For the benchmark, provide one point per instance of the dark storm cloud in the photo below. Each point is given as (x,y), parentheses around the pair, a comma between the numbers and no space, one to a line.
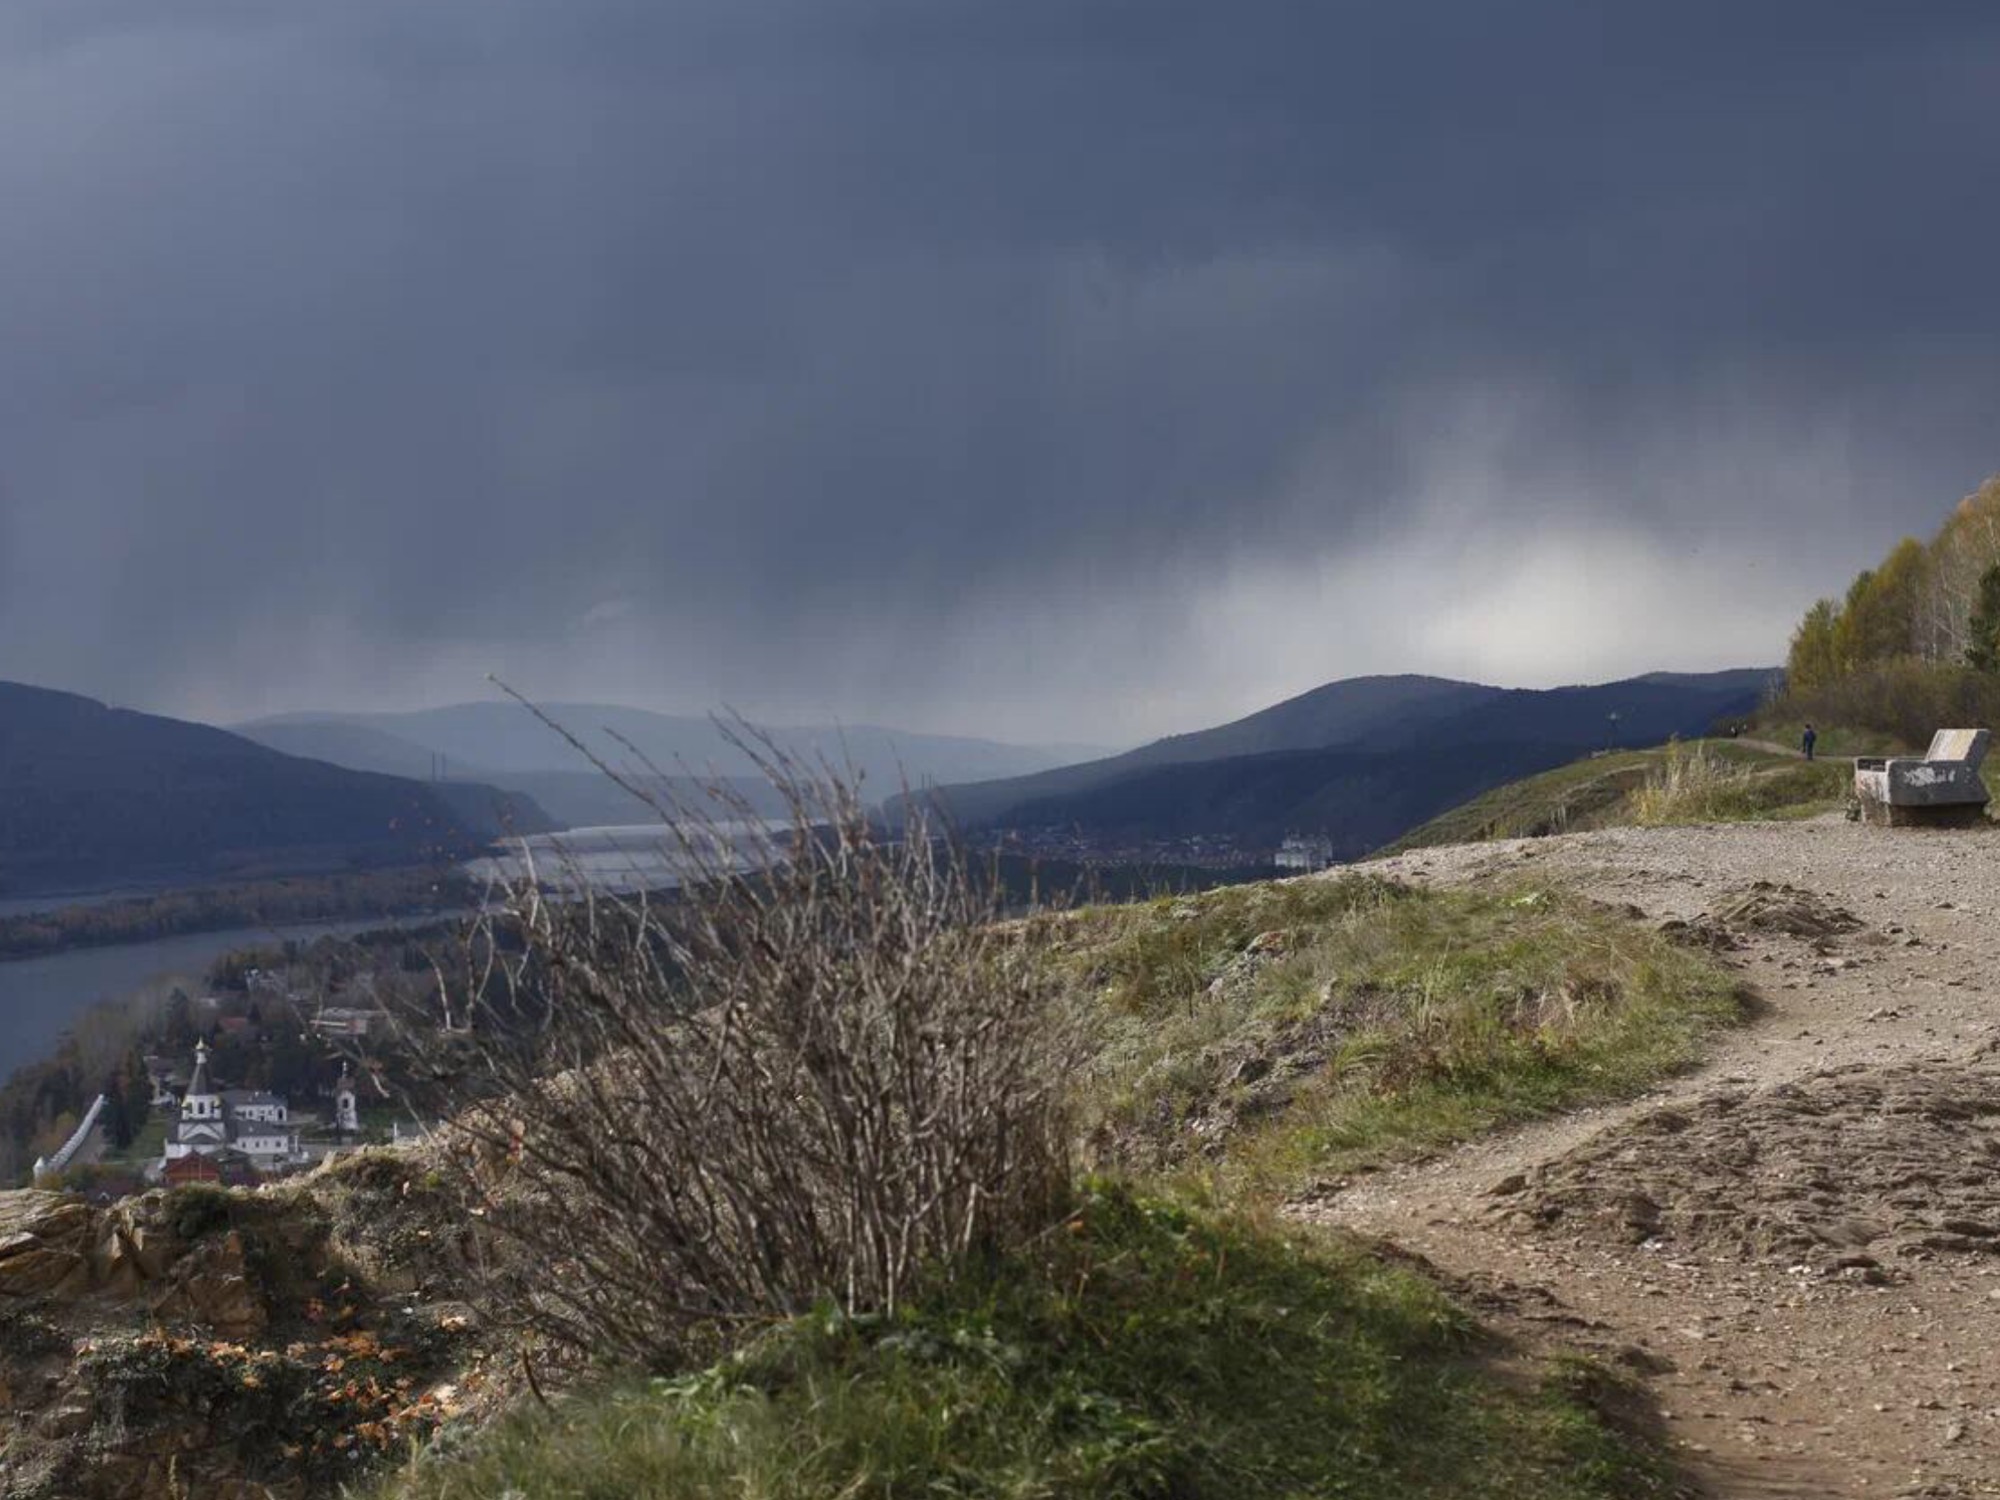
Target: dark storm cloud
(908,356)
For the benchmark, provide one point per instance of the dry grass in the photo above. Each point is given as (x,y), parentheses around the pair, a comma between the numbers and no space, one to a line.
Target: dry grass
(1694,783)
(1691,785)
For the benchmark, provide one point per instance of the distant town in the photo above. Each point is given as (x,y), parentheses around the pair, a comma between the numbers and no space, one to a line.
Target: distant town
(198,1123)
(1297,854)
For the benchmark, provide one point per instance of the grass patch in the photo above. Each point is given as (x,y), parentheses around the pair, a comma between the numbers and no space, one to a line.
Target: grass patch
(1697,783)
(1841,741)
(1147,1349)
(1267,1034)
(1606,791)
(1584,794)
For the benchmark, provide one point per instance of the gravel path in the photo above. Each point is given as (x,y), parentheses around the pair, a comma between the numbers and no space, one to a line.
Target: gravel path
(1799,1243)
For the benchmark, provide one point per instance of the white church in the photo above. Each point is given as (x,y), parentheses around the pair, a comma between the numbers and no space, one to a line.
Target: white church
(244,1125)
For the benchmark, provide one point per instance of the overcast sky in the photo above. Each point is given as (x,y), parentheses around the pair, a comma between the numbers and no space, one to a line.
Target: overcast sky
(1037,368)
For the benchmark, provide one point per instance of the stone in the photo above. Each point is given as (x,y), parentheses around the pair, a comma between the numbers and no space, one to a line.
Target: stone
(68,1420)
(40,1272)
(1939,789)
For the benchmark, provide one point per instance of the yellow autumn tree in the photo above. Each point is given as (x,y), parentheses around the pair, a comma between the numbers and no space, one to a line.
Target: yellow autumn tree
(1813,661)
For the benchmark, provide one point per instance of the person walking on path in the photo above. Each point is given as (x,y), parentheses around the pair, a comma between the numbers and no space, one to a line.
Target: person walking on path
(1811,738)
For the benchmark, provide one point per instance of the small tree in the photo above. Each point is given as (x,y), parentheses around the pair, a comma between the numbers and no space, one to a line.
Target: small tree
(138,1086)
(1982,650)
(1814,660)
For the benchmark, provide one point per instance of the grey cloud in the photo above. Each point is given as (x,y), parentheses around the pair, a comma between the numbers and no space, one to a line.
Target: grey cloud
(850,350)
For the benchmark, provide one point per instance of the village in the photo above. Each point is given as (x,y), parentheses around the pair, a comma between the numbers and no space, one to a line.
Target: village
(248,1101)
(1296,854)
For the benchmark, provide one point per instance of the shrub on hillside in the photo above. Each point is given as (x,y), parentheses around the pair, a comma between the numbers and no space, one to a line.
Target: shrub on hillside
(814,1083)
(1906,699)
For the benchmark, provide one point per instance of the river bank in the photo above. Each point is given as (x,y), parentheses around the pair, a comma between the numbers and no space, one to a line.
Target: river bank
(38,927)
(42,997)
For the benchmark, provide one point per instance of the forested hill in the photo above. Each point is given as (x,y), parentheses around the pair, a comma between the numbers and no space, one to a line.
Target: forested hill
(93,795)
(1352,711)
(1361,760)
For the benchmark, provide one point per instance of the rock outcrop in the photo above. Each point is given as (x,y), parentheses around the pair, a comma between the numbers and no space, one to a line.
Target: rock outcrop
(58,1250)
(223,1343)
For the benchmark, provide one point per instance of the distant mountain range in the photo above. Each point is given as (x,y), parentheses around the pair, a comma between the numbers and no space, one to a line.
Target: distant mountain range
(503,744)
(92,795)
(1361,760)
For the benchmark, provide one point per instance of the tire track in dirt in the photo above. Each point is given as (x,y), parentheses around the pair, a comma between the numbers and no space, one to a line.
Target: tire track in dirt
(1797,1244)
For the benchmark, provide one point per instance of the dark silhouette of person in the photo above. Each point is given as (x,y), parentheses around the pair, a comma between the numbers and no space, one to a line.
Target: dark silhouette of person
(1811,738)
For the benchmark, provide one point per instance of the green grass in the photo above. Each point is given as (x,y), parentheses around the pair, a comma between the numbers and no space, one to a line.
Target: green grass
(1605,791)
(1568,799)
(1378,1022)
(1837,740)
(1145,1349)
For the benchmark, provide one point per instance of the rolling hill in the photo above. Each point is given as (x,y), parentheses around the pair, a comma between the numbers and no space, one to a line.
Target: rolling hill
(1606,791)
(1405,749)
(1354,711)
(91,794)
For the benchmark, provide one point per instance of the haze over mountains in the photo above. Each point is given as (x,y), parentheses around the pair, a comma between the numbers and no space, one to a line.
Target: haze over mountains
(502,743)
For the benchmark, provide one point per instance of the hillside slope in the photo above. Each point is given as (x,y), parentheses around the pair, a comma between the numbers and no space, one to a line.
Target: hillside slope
(92,794)
(1361,799)
(1797,1238)
(1356,711)
(1737,781)
(1412,747)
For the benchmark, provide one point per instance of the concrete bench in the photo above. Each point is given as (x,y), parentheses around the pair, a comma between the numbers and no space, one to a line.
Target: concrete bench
(1942,789)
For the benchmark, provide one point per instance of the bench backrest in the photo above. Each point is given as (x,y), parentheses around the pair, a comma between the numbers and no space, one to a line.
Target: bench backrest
(1967,745)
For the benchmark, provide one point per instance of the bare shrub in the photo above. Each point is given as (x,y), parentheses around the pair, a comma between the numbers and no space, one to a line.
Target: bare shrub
(818,1073)
(1906,699)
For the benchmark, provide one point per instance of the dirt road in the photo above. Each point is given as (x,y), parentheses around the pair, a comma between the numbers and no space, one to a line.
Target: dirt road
(1799,1244)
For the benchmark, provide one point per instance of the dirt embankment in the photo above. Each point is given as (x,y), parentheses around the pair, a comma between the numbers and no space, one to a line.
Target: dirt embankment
(1798,1244)
(230,1344)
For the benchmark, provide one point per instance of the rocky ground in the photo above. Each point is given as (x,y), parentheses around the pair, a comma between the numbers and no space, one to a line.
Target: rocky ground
(231,1345)
(1798,1244)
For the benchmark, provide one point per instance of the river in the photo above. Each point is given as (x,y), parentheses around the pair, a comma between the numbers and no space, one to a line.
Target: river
(638,857)
(41,997)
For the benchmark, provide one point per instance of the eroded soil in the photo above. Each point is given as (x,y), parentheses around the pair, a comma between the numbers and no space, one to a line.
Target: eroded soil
(1799,1243)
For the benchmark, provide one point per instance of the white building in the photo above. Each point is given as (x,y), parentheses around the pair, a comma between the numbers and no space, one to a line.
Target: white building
(256,1126)
(1307,853)
(347,1020)
(346,1111)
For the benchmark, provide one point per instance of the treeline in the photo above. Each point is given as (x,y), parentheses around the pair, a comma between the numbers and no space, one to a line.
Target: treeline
(1914,643)
(1935,602)
(357,895)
